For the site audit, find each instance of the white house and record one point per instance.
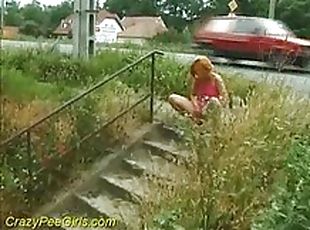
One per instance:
(107, 30)
(108, 25)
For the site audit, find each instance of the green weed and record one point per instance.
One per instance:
(240, 157)
(289, 206)
(239, 160)
(24, 87)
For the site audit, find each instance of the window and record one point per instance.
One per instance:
(64, 25)
(247, 26)
(219, 25)
(277, 28)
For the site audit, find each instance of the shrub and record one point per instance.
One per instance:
(29, 88)
(239, 159)
(289, 206)
(63, 145)
(171, 76)
(60, 69)
(174, 37)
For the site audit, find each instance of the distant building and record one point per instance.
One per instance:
(110, 29)
(10, 32)
(65, 27)
(108, 25)
(140, 29)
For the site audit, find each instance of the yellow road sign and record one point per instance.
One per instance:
(233, 5)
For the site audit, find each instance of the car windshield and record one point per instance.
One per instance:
(218, 25)
(277, 28)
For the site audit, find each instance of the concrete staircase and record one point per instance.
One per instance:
(119, 187)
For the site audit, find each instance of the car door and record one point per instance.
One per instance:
(216, 33)
(275, 37)
(247, 33)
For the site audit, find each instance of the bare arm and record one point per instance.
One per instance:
(190, 86)
(191, 92)
(222, 89)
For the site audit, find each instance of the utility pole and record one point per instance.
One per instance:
(1, 75)
(2, 16)
(272, 8)
(84, 28)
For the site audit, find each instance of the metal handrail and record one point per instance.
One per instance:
(87, 92)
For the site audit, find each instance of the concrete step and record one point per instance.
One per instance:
(128, 187)
(163, 133)
(146, 163)
(171, 152)
(126, 213)
(74, 206)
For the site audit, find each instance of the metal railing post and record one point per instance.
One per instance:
(28, 137)
(152, 88)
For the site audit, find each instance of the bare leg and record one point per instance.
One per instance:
(183, 105)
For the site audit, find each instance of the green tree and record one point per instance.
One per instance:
(296, 14)
(176, 13)
(35, 19)
(179, 14)
(59, 12)
(12, 16)
(245, 7)
(132, 7)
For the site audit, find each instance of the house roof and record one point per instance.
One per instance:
(65, 25)
(142, 27)
(9, 31)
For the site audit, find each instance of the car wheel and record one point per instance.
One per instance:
(302, 62)
(277, 59)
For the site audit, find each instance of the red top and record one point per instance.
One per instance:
(209, 89)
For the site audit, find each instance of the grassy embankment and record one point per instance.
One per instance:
(249, 170)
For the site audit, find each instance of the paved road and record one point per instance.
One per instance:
(299, 81)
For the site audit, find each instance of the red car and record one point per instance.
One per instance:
(253, 38)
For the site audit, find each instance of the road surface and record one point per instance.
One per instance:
(249, 70)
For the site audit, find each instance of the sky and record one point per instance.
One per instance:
(48, 2)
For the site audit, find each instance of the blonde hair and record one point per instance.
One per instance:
(201, 63)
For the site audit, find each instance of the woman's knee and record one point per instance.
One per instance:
(173, 99)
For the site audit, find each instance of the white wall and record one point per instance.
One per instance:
(138, 41)
(108, 30)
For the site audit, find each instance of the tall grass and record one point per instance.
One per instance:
(236, 162)
(58, 154)
(289, 206)
(240, 159)
(56, 68)
(24, 87)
